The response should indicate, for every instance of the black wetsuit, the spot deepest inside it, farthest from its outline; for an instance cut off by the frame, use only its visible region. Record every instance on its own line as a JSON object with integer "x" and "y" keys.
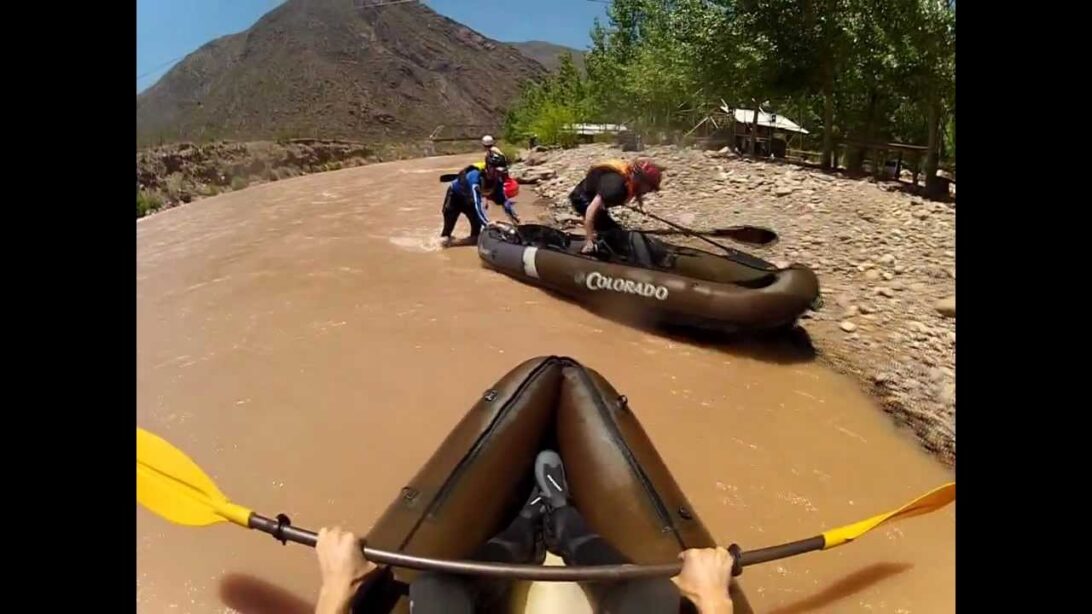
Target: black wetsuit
{"x": 606, "y": 183}
{"x": 433, "y": 593}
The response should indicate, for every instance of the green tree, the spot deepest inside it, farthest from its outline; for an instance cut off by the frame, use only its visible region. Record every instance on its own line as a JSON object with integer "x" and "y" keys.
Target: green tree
{"x": 921, "y": 34}
{"x": 547, "y": 108}
{"x": 803, "y": 44}
{"x": 869, "y": 69}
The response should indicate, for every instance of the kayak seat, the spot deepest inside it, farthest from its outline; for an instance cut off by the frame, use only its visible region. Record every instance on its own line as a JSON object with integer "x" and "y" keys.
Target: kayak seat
{"x": 544, "y": 236}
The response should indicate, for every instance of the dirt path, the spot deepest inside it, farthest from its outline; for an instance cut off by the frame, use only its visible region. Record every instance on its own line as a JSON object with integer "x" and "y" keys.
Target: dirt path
{"x": 309, "y": 344}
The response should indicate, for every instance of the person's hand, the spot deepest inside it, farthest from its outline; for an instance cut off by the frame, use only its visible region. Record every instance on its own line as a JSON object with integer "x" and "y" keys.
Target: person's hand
{"x": 589, "y": 247}
{"x": 343, "y": 568}
{"x": 340, "y": 557}
{"x": 704, "y": 579}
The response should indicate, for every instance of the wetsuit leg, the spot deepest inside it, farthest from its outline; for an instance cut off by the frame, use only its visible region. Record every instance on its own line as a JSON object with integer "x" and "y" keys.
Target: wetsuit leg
{"x": 457, "y": 205}
{"x": 472, "y": 217}
{"x": 580, "y": 546}
{"x": 579, "y": 203}
{"x": 451, "y": 210}
{"x": 604, "y": 222}
{"x": 437, "y": 592}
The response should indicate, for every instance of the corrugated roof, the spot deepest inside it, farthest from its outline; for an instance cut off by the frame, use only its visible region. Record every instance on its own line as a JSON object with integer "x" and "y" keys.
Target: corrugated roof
{"x": 596, "y": 128}
{"x": 779, "y": 122}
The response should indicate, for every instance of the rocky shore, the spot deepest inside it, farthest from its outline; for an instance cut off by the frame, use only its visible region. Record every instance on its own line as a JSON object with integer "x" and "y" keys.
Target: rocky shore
{"x": 885, "y": 258}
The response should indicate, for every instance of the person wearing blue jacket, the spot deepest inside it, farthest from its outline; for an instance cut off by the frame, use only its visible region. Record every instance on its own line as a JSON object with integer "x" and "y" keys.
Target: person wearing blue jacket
{"x": 469, "y": 195}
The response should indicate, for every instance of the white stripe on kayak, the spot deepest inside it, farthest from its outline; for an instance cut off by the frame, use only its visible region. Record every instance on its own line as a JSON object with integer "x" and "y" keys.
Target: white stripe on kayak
{"x": 529, "y": 261}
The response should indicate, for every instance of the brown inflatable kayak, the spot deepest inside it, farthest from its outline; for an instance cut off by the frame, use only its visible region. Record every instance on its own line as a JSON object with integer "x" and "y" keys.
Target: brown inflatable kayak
{"x": 637, "y": 276}
{"x": 482, "y": 473}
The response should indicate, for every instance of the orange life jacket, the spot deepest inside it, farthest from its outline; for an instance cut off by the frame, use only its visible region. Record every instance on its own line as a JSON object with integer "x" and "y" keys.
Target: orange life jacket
{"x": 622, "y": 168}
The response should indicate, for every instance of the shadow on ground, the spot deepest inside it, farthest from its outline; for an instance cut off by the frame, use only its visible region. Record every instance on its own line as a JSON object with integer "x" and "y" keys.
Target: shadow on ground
{"x": 846, "y": 587}
{"x": 249, "y": 595}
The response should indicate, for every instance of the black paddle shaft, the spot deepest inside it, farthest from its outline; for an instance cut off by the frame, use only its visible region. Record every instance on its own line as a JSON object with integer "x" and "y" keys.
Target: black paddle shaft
{"x": 730, "y": 250}
{"x": 282, "y": 530}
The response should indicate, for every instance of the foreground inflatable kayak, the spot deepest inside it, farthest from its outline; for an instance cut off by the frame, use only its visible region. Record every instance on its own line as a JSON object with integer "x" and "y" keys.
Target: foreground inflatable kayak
{"x": 476, "y": 481}
{"x": 638, "y": 276}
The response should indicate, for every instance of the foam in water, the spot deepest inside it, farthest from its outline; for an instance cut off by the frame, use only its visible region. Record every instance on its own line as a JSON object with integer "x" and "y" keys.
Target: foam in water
{"x": 417, "y": 243}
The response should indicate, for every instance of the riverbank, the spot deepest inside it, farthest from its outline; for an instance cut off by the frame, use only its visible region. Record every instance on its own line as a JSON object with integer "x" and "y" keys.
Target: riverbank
{"x": 178, "y": 173}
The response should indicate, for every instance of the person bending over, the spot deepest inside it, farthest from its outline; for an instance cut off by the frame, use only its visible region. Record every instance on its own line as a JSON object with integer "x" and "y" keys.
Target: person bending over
{"x": 612, "y": 184}
{"x": 469, "y": 194}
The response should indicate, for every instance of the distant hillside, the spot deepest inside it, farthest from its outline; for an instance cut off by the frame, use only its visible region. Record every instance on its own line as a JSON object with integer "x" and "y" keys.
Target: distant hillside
{"x": 549, "y": 54}
{"x": 335, "y": 69}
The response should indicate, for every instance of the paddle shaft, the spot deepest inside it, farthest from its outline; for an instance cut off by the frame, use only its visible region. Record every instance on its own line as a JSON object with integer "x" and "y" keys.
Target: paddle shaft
{"x": 713, "y": 232}
{"x": 686, "y": 231}
{"x": 581, "y": 573}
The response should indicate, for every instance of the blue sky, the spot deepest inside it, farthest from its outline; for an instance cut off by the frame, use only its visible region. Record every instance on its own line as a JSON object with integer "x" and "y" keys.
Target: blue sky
{"x": 167, "y": 30}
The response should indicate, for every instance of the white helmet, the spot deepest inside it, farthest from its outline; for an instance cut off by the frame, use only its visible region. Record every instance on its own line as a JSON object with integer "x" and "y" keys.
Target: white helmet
{"x": 487, "y": 141}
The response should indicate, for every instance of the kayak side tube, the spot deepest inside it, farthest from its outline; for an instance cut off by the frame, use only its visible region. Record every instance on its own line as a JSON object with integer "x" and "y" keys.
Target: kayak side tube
{"x": 659, "y": 295}
{"x": 468, "y": 490}
{"x": 618, "y": 480}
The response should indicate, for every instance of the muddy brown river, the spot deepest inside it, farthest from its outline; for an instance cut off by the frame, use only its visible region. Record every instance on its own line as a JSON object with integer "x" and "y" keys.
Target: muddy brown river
{"x": 309, "y": 345}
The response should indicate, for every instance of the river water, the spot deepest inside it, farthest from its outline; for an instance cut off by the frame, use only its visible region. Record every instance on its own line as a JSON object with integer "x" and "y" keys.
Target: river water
{"x": 309, "y": 344}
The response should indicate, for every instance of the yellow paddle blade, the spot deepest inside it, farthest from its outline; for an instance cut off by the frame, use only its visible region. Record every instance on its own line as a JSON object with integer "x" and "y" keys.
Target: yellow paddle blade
{"x": 929, "y": 502}
{"x": 171, "y": 485}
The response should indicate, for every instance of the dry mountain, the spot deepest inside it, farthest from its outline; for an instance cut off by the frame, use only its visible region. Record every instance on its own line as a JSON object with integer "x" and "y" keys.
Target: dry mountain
{"x": 549, "y": 54}
{"x": 335, "y": 69}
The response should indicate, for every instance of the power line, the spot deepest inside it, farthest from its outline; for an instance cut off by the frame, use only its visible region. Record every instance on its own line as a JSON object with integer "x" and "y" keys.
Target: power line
{"x": 158, "y": 68}
{"x": 362, "y": 3}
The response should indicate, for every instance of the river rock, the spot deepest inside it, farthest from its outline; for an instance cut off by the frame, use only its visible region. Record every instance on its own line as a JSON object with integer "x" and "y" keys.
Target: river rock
{"x": 534, "y": 158}
{"x": 946, "y": 307}
{"x": 534, "y": 175}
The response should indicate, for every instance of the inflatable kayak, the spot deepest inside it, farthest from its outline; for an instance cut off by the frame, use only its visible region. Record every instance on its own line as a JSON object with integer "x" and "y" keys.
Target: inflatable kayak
{"x": 636, "y": 275}
{"x": 482, "y": 473}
